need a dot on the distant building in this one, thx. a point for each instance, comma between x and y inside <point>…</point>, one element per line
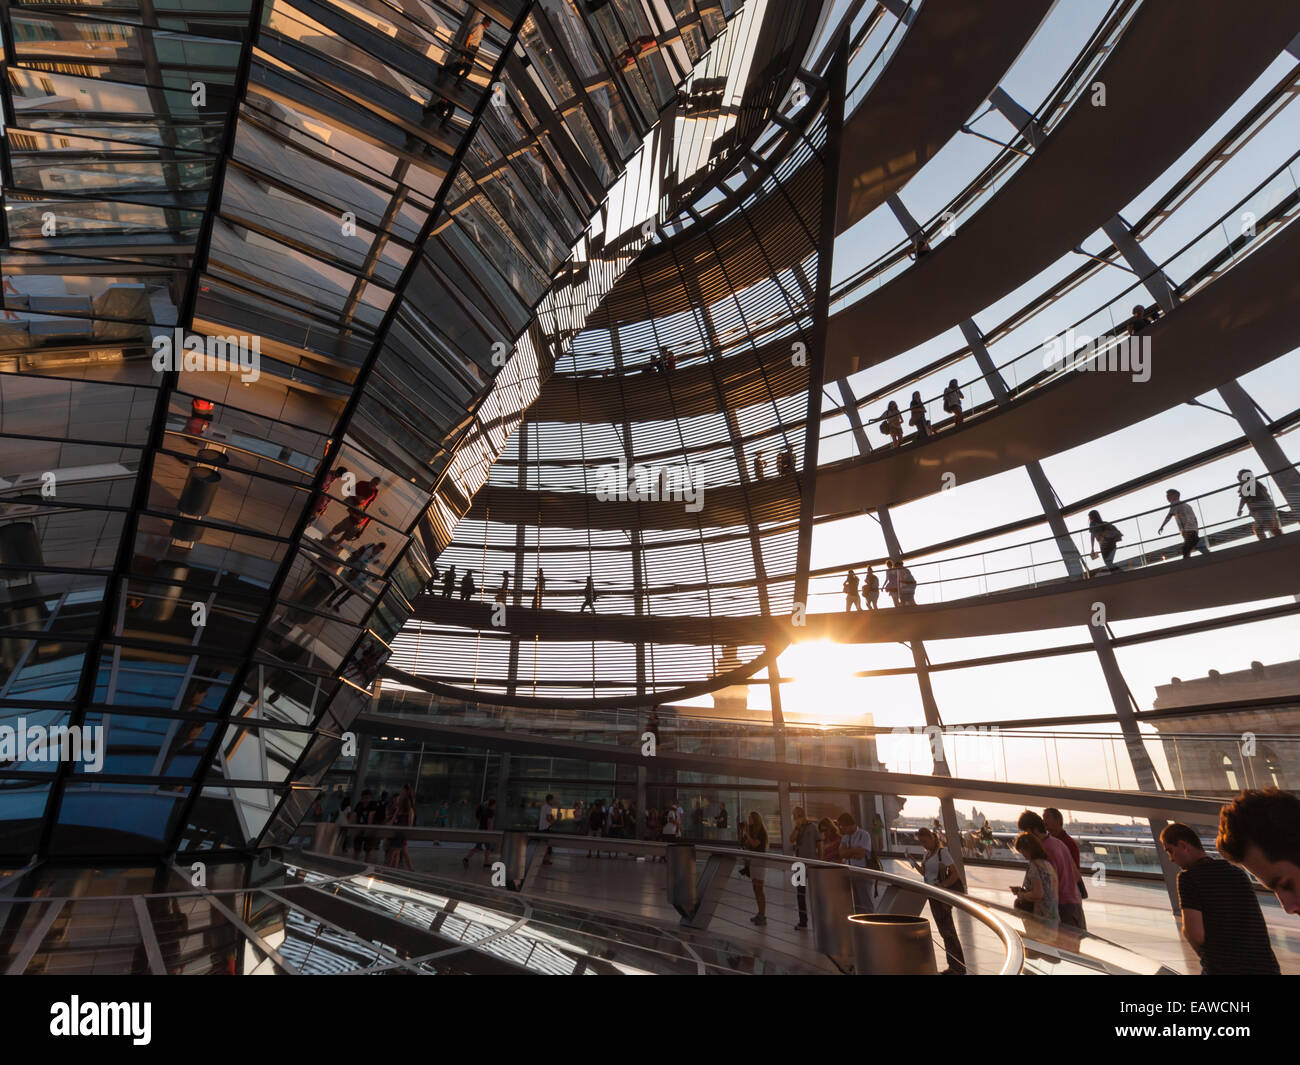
<point>1219,752</point>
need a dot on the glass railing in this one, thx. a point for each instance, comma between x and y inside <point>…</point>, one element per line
<point>1211,765</point>
<point>883,39</point>
<point>1204,765</point>
<point>1038,562</point>
<point>1102,339</point>
<point>945,223</point>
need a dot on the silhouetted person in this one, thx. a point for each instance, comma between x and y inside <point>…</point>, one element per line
<point>467,586</point>
<point>589,596</point>
<point>1263,511</point>
<point>1104,537</point>
<point>1185,518</point>
<point>891,423</point>
<point>871,589</point>
<point>917,418</point>
<point>952,397</point>
<point>539,593</point>
<point>503,593</point>
<point>851,602</point>
<point>758,466</point>
<point>1142,317</point>
<point>449,582</point>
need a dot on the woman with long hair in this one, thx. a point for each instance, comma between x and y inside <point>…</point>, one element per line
<point>830,840</point>
<point>754,838</point>
<point>1040,889</point>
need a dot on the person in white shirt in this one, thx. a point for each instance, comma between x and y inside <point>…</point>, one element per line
<point>1185,517</point>
<point>937,868</point>
<point>855,850</point>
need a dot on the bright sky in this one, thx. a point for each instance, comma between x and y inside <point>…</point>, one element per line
<point>825,689</point>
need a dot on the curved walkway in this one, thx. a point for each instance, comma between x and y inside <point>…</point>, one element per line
<point>1204,52</point>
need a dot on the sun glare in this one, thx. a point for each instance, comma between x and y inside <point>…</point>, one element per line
<point>822,686</point>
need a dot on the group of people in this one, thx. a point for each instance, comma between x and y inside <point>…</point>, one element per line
<point>663,361</point>
<point>899,584</point>
<point>1104,536</point>
<point>397,811</point>
<point>468,588</point>
<point>784,463</point>
<point>891,422</point>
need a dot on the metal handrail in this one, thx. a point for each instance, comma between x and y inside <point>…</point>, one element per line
<point>1012,964</point>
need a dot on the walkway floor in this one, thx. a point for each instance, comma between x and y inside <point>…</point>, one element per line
<point>1132,914</point>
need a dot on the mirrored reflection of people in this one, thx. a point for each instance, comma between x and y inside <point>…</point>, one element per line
<point>871,589</point>
<point>353,573</point>
<point>785,462</point>
<point>917,418</point>
<point>322,501</point>
<point>1263,511</point>
<point>589,596</point>
<point>469,50</point>
<point>937,868</point>
<point>539,593</point>
<point>354,523</point>
<point>758,466</point>
<point>850,588</point>
<point>1103,537</point>
<point>952,397</point>
<point>1260,831</point>
<point>1221,919</point>
<point>9,290</point>
<point>1184,517</point>
<point>467,586</point>
<point>200,417</point>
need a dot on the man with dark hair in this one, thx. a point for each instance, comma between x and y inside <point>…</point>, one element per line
<point>1261,831</point>
<point>1067,872</point>
<point>1056,829</point>
<point>1221,916</point>
<point>807,844</point>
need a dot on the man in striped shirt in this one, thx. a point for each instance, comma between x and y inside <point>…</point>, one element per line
<point>1221,916</point>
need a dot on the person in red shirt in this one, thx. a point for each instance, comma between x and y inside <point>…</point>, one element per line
<point>1056,829</point>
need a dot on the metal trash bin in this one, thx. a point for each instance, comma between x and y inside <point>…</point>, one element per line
<point>325,837</point>
<point>514,852</point>
<point>830,900</point>
<point>892,944</point>
<point>682,891</point>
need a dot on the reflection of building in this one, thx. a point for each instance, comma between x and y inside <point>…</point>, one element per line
<point>1222,751</point>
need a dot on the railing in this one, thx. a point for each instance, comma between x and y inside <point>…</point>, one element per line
<point>1205,765</point>
<point>1102,336</point>
<point>1037,562</point>
<point>944,223</point>
<point>885,892</point>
